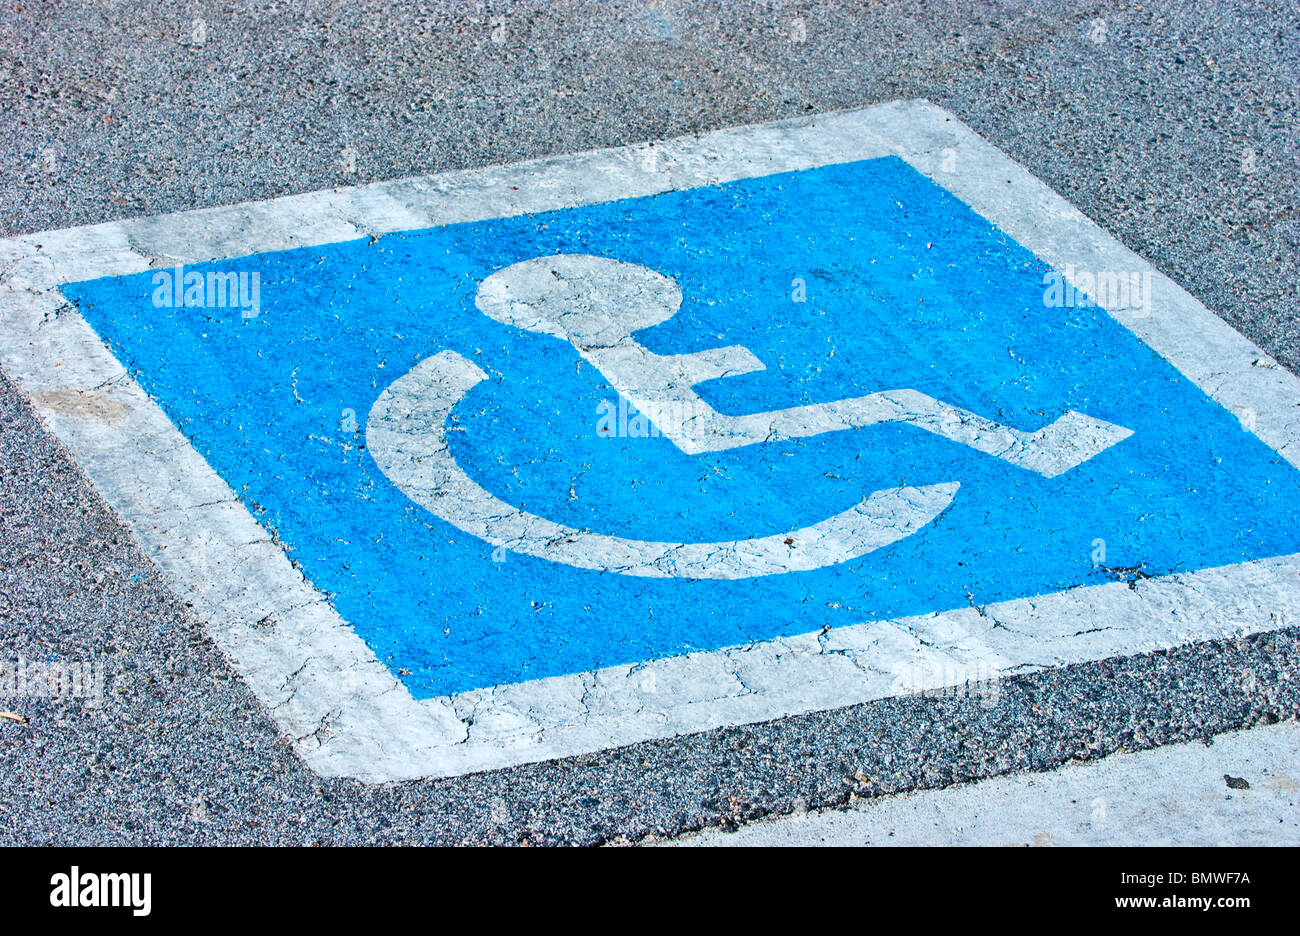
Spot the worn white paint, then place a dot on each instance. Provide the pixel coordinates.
(597, 304)
(407, 437)
(346, 712)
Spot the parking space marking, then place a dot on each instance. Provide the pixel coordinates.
(415, 707)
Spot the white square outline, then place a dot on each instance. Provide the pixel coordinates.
(348, 715)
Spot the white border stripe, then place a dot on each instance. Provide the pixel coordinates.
(346, 712)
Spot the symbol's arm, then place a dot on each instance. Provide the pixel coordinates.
(699, 366)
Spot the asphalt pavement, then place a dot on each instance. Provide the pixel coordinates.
(1238, 790)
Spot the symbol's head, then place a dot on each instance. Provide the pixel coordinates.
(591, 302)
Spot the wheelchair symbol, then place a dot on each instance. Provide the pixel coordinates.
(597, 304)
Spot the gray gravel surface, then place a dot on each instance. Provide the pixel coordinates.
(1175, 795)
(1172, 126)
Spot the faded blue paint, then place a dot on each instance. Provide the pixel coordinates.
(906, 287)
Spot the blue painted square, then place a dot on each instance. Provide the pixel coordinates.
(905, 287)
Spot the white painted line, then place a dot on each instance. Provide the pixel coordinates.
(347, 713)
